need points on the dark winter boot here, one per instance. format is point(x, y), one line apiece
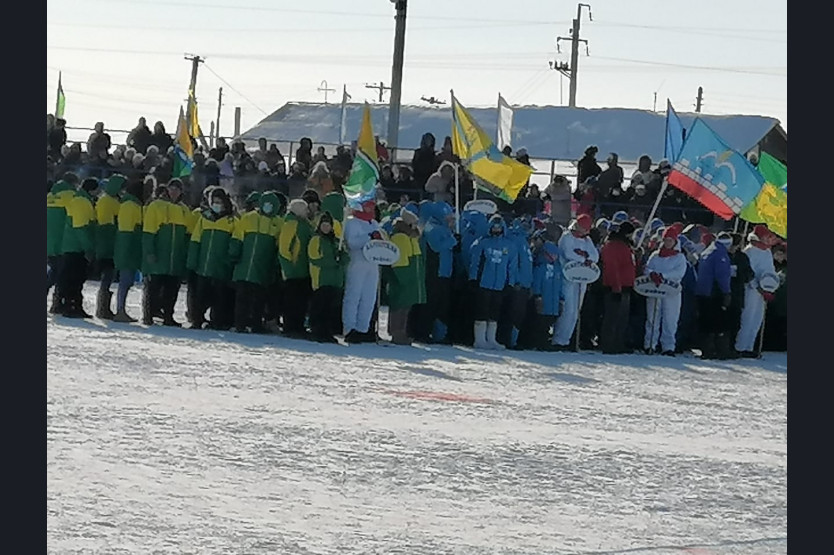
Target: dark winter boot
point(708, 349)
point(722, 347)
point(103, 311)
point(57, 306)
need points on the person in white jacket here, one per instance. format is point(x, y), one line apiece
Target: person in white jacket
point(662, 314)
point(758, 252)
point(573, 246)
point(362, 278)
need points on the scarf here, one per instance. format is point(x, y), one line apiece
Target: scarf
point(664, 252)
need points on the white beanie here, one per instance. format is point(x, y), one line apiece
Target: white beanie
point(263, 166)
point(298, 207)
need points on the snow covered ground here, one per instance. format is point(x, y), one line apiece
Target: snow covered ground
point(168, 440)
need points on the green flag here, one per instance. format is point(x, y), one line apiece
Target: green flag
point(61, 101)
point(363, 180)
point(770, 206)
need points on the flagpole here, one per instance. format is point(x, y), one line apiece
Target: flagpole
point(457, 199)
point(654, 211)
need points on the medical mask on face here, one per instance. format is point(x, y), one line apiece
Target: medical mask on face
point(217, 207)
point(267, 208)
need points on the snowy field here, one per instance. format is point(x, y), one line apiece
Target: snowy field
point(165, 440)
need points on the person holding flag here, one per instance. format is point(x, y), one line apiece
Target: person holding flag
point(362, 277)
point(668, 262)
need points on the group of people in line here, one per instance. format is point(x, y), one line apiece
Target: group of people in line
point(296, 266)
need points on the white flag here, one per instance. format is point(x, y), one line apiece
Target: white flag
point(503, 132)
point(343, 120)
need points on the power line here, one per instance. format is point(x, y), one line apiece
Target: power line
point(234, 89)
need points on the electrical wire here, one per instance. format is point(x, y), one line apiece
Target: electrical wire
point(264, 112)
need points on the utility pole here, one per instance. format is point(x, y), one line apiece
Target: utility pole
point(571, 70)
point(237, 121)
point(195, 64)
point(323, 88)
point(654, 106)
point(396, 74)
point(382, 88)
point(699, 99)
point(217, 126)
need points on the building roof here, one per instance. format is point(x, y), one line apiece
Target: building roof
point(552, 132)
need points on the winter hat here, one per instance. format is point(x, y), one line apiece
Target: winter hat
point(408, 217)
point(263, 166)
point(760, 233)
point(539, 224)
point(89, 184)
point(655, 224)
point(521, 152)
point(725, 239)
point(707, 239)
point(671, 233)
point(310, 196)
point(324, 217)
point(299, 207)
point(677, 226)
point(619, 216)
point(602, 223)
point(583, 222)
point(253, 198)
point(625, 228)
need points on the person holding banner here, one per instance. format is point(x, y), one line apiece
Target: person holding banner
point(362, 278)
point(761, 239)
point(667, 263)
point(575, 246)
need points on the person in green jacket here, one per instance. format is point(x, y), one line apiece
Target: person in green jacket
point(406, 278)
point(77, 248)
point(164, 252)
point(327, 274)
point(209, 257)
point(107, 210)
point(127, 248)
point(334, 202)
point(295, 266)
point(254, 252)
point(274, 291)
point(57, 200)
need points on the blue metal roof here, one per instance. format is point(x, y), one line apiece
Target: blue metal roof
point(553, 132)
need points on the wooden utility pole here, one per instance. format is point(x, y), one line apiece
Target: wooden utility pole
point(699, 100)
point(217, 124)
point(396, 75)
point(237, 121)
point(571, 71)
point(382, 88)
point(195, 64)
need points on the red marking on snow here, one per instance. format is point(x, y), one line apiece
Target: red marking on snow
point(438, 396)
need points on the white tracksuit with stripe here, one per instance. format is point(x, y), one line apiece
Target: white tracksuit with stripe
point(663, 314)
point(752, 315)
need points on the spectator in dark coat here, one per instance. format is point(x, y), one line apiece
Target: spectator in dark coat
point(160, 138)
point(220, 150)
point(714, 298)
point(559, 195)
point(424, 162)
point(609, 187)
point(275, 160)
point(343, 160)
point(446, 153)
point(587, 166)
point(405, 185)
point(140, 137)
point(741, 273)
point(388, 184)
point(304, 154)
point(57, 138)
point(99, 141)
point(212, 172)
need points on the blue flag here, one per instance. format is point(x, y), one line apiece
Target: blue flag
point(714, 174)
point(675, 134)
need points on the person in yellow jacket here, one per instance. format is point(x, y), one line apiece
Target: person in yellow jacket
point(127, 252)
point(78, 249)
point(295, 266)
point(57, 200)
point(107, 211)
point(164, 252)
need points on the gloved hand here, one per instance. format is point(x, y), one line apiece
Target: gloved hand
point(768, 297)
point(580, 252)
point(656, 278)
point(376, 235)
point(725, 302)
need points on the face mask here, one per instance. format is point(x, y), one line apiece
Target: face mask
point(217, 207)
point(267, 208)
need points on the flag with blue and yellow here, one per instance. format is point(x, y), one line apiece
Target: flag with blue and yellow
point(183, 149)
point(493, 171)
point(771, 204)
point(364, 174)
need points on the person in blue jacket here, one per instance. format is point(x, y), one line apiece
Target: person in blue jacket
point(518, 293)
point(493, 265)
point(438, 245)
point(473, 226)
point(712, 289)
point(687, 326)
point(546, 301)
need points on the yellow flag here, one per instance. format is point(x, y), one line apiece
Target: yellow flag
point(183, 140)
point(769, 207)
point(493, 171)
point(191, 116)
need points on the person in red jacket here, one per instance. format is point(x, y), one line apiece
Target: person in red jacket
point(618, 273)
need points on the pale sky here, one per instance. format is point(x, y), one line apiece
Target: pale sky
point(122, 59)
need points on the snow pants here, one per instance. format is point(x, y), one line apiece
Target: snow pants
point(565, 324)
point(296, 302)
point(662, 316)
point(361, 284)
point(751, 320)
point(217, 295)
point(249, 305)
point(612, 336)
point(324, 312)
